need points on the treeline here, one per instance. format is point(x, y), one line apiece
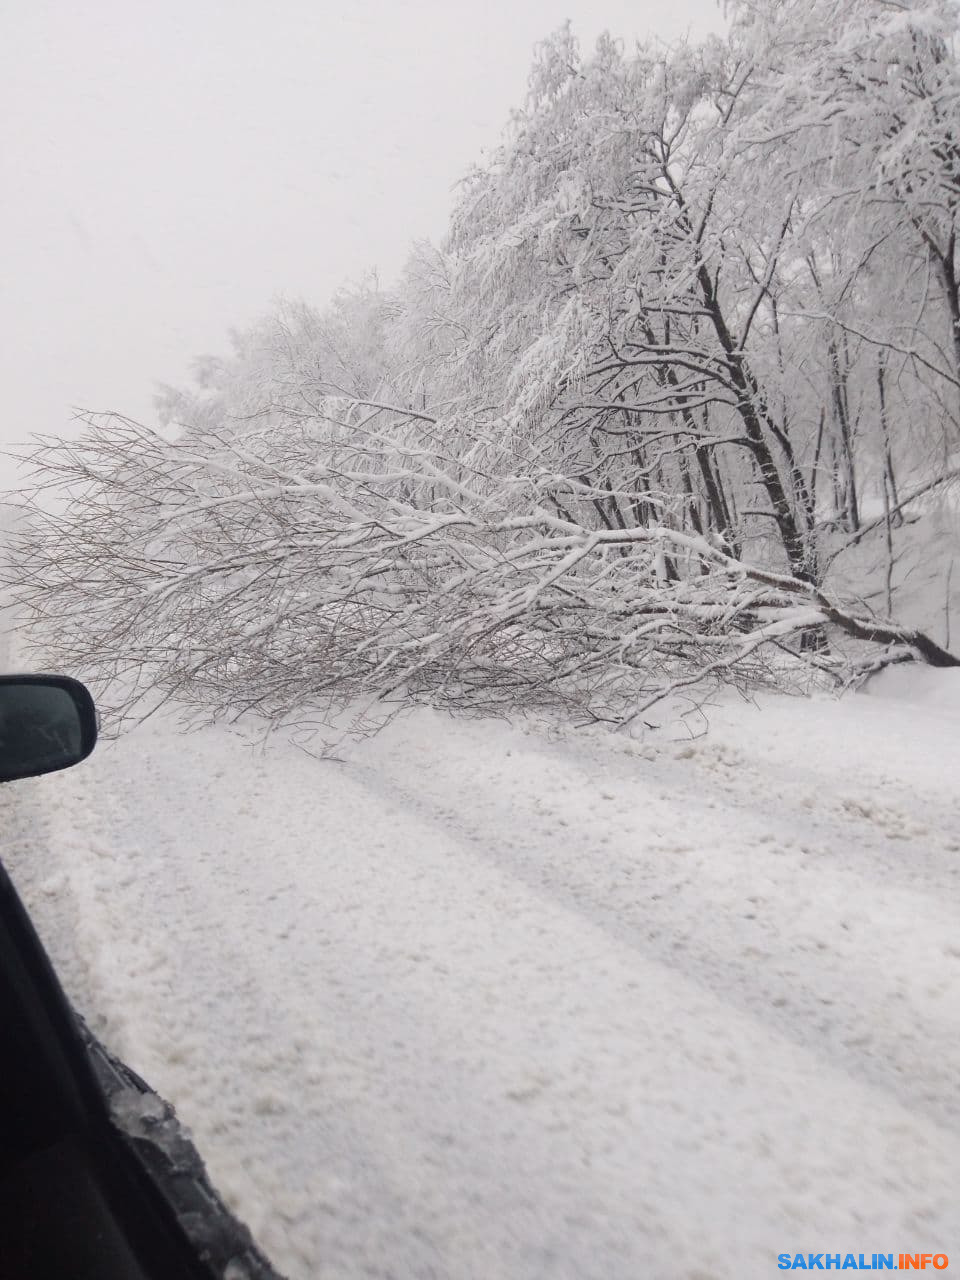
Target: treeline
point(694, 334)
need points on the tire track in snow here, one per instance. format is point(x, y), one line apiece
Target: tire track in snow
point(417, 1046)
point(829, 974)
point(210, 1005)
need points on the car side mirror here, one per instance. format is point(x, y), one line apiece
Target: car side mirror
point(46, 723)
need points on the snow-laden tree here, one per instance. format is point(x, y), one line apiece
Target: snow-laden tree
point(624, 283)
point(252, 576)
point(605, 443)
point(858, 102)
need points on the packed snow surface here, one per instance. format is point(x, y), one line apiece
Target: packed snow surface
point(480, 1001)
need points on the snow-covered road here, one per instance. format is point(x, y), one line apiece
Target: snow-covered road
point(480, 1003)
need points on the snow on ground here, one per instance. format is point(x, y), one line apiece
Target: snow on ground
point(475, 1002)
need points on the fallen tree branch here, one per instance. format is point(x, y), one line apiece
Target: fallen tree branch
point(287, 584)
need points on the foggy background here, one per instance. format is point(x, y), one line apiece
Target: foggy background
point(170, 169)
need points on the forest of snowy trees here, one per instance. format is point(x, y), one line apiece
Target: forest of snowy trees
point(691, 344)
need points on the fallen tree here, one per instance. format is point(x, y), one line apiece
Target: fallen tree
point(232, 575)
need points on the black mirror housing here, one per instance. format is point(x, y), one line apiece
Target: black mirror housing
point(47, 722)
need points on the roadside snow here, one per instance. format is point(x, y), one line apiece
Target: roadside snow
point(476, 1002)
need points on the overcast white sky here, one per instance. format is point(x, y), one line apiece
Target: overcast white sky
point(170, 166)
